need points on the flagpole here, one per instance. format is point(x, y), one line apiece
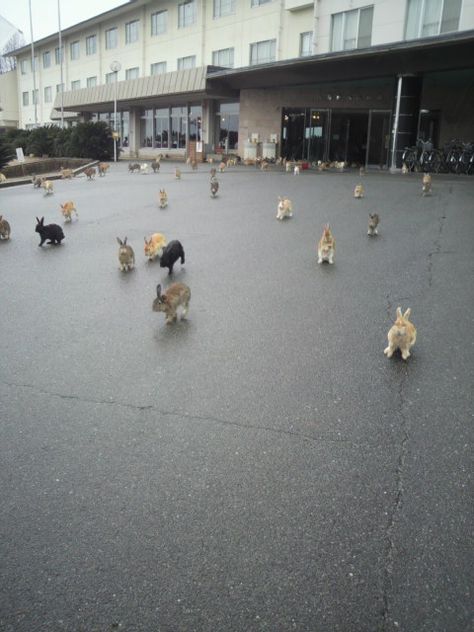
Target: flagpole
point(61, 64)
point(33, 66)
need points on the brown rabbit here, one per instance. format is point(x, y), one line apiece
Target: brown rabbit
point(4, 228)
point(177, 295)
point(103, 167)
point(426, 184)
point(402, 335)
point(67, 210)
point(326, 246)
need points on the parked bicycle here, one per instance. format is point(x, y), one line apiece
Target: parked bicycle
point(421, 157)
point(455, 157)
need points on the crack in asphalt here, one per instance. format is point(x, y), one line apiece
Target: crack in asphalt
point(436, 249)
point(173, 413)
point(396, 505)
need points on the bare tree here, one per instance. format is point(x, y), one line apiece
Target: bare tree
point(8, 62)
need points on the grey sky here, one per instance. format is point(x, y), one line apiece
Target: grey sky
point(45, 14)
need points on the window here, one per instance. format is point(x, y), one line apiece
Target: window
point(178, 127)
point(34, 96)
point(186, 13)
point(158, 68)
point(59, 88)
point(352, 29)
point(162, 128)
point(431, 17)
point(306, 43)
point(262, 52)
point(131, 32)
point(91, 82)
point(111, 38)
point(74, 50)
point(24, 65)
point(26, 100)
point(159, 22)
point(47, 59)
point(58, 56)
point(91, 45)
point(48, 94)
point(223, 57)
point(76, 85)
point(186, 62)
point(146, 128)
point(258, 3)
point(132, 73)
point(110, 77)
point(222, 8)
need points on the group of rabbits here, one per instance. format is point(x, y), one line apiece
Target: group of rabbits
point(402, 334)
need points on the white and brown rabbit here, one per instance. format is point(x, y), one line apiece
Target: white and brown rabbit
point(326, 246)
point(5, 229)
point(374, 220)
point(177, 173)
point(358, 191)
point(163, 198)
point(426, 184)
point(402, 335)
point(48, 187)
point(154, 246)
point(126, 256)
point(176, 296)
point(67, 209)
point(284, 208)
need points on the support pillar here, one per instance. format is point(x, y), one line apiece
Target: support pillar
point(406, 105)
point(134, 132)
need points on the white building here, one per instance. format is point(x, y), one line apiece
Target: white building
point(321, 76)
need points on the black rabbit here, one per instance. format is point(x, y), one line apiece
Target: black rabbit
point(171, 253)
point(53, 232)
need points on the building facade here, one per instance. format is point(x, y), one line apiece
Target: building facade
point(323, 79)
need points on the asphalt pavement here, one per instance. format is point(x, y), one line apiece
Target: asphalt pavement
point(261, 465)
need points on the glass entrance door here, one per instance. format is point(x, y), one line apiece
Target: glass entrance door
point(316, 136)
point(379, 139)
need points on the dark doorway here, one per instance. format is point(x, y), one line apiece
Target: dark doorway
point(379, 138)
point(349, 137)
point(293, 133)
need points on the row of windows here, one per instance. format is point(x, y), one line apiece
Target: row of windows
point(187, 13)
point(349, 30)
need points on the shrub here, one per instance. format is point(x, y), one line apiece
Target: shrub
point(6, 153)
point(92, 140)
point(41, 140)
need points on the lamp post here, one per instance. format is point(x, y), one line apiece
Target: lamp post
point(115, 66)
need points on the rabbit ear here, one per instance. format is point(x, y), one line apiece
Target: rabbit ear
point(120, 241)
point(407, 313)
point(399, 312)
point(146, 241)
point(158, 290)
point(125, 241)
point(42, 221)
